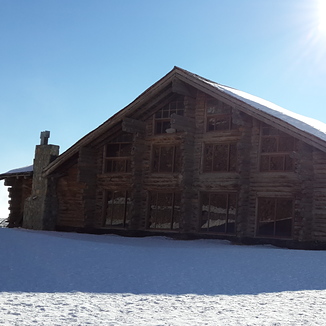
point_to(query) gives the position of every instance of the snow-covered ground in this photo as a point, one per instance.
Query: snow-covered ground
(52, 278)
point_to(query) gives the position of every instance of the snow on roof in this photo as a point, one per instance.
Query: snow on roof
(24, 169)
(306, 124)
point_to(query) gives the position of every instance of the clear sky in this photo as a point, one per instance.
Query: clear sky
(68, 65)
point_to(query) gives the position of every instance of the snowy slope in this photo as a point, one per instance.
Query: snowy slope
(50, 278)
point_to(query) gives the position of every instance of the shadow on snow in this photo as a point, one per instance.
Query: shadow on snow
(33, 261)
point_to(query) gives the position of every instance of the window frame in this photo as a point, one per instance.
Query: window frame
(126, 209)
(229, 162)
(218, 117)
(279, 156)
(173, 208)
(176, 155)
(162, 117)
(260, 222)
(228, 208)
(124, 160)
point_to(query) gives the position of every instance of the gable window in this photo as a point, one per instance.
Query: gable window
(162, 116)
(166, 159)
(117, 209)
(164, 212)
(220, 158)
(218, 115)
(117, 154)
(275, 150)
(218, 212)
(274, 217)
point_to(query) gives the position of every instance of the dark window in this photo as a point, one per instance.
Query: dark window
(164, 210)
(276, 148)
(117, 154)
(218, 115)
(275, 217)
(218, 212)
(220, 158)
(166, 159)
(162, 116)
(117, 209)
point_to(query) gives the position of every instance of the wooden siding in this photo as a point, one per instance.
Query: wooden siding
(19, 190)
(81, 192)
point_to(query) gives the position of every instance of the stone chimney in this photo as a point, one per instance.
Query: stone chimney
(38, 210)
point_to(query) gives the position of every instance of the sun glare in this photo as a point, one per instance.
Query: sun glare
(322, 15)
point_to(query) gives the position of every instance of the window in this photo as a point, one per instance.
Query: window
(218, 212)
(164, 211)
(276, 148)
(117, 154)
(162, 116)
(166, 159)
(117, 209)
(275, 217)
(218, 115)
(220, 158)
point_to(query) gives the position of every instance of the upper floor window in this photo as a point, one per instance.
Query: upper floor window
(162, 116)
(117, 154)
(218, 115)
(220, 158)
(276, 148)
(166, 159)
(218, 212)
(274, 217)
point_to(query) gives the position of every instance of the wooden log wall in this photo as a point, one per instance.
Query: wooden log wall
(319, 194)
(19, 189)
(82, 190)
(70, 199)
(87, 176)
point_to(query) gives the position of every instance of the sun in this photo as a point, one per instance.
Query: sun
(322, 15)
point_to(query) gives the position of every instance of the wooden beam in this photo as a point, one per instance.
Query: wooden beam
(133, 126)
(182, 123)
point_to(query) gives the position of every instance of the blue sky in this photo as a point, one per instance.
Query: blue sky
(67, 66)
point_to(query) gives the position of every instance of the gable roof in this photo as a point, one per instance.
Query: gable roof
(310, 130)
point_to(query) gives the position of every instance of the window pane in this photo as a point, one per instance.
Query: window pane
(218, 213)
(156, 159)
(269, 145)
(289, 166)
(113, 150)
(166, 159)
(208, 158)
(275, 217)
(205, 211)
(277, 163)
(266, 209)
(176, 211)
(220, 158)
(210, 124)
(125, 149)
(222, 123)
(232, 209)
(164, 212)
(118, 204)
(286, 144)
(233, 158)
(177, 159)
(264, 163)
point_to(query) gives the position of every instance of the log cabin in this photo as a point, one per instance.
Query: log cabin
(188, 158)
